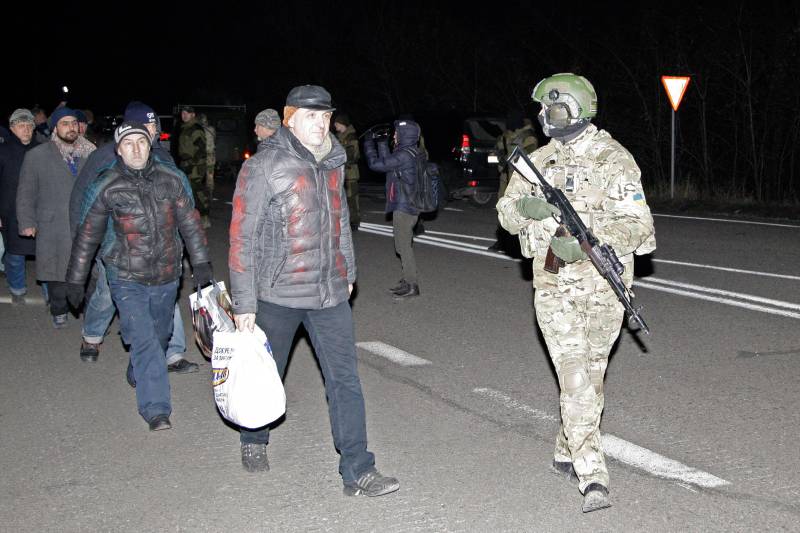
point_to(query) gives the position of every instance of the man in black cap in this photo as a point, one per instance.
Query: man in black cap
(291, 262)
(143, 257)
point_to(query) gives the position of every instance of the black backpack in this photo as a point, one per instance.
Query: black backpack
(426, 196)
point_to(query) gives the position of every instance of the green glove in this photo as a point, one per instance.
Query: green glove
(535, 208)
(567, 248)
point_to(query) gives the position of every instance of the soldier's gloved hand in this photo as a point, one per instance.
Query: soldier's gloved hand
(75, 294)
(535, 208)
(567, 248)
(202, 274)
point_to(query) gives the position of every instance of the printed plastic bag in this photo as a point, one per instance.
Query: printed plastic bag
(211, 311)
(247, 388)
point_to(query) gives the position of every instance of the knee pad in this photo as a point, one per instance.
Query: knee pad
(573, 377)
(597, 372)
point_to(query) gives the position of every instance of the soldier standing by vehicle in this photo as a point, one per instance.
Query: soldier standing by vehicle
(578, 313)
(519, 132)
(346, 134)
(211, 160)
(193, 159)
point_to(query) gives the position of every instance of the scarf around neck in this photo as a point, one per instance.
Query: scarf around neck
(73, 153)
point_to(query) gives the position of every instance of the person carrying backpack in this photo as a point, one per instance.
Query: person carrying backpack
(401, 168)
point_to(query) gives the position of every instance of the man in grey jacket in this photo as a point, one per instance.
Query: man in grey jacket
(291, 262)
(45, 183)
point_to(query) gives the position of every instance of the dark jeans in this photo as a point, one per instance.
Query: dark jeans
(145, 313)
(331, 332)
(403, 227)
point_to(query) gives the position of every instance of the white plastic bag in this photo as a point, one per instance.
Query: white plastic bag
(247, 388)
(211, 311)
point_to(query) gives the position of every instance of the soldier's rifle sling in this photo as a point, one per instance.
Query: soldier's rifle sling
(603, 257)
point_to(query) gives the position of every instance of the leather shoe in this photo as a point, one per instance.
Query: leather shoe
(401, 286)
(89, 352)
(411, 291)
(183, 367)
(159, 422)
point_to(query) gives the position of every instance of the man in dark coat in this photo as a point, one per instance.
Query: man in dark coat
(12, 153)
(45, 183)
(400, 166)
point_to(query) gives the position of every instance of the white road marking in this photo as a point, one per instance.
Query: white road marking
(396, 355)
(727, 269)
(453, 209)
(729, 220)
(726, 301)
(622, 450)
(34, 300)
(657, 284)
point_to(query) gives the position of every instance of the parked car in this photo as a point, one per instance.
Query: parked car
(477, 158)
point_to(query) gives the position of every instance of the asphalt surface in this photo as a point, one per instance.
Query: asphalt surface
(469, 433)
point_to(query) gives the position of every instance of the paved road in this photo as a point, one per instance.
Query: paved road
(701, 416)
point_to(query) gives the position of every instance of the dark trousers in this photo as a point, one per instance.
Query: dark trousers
(145, 313)
(403, 228)
(333, 338)
(57, 292)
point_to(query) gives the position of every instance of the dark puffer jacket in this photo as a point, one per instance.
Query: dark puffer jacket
(400, 166)
(151, 209)
(12, 153)
(290, 236)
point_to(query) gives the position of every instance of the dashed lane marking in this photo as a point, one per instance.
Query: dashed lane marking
(396, 355)
(620, 449)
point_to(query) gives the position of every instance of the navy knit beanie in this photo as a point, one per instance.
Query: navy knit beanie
(140, 112)
(58, 114)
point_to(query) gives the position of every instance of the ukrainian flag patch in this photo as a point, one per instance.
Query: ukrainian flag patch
(639, 198)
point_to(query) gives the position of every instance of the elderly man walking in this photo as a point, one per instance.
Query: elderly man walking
(291, 262)
(45, 184)
(12, 153)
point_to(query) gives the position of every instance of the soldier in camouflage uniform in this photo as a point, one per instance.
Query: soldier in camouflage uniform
(347, 137)
(193, 159)
(211, 159)
(577, 312)
(519, 131)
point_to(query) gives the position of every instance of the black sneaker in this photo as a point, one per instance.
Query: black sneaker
(183, 367)
(89, 352)
(401, 286)
(595, 497)
(564, 469)
(159, 422)
(372, 483)
(412, 290)
(254, 457)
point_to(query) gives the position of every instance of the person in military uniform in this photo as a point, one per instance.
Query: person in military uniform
(193, 160)
(519, 132)
(267, 123)
(577, 312)
(346, 134)
(211, 159)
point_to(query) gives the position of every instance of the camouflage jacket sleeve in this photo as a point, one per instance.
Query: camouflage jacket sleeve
(192, 146)
(625, 221)
(507, 213)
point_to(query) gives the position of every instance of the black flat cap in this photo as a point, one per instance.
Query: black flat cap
(310, 97)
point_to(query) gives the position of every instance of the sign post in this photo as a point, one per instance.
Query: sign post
(675, 87)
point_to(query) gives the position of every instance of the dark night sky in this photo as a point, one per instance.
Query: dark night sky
(380, 59)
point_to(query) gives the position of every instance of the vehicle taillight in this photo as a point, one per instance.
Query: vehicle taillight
(164, 136)
(472, 183)
(465, 144)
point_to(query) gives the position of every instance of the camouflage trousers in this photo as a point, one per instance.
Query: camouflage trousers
(351, 188)
(198, 180)
(579, 332)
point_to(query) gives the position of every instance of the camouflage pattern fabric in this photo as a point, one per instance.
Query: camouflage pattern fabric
(349, 141)
(193, 160)
(577, 312)
(211, 153)
(525, 137)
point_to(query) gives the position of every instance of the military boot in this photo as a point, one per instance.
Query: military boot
(595, 497)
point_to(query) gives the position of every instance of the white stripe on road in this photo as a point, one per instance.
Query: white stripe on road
(726, 301)
(396, 355)
(739, 295)
(36, 300)
(729, 220)
(727, 269)
(431, 232)
(620, 449)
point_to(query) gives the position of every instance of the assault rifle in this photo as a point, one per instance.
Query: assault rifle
(603, 257)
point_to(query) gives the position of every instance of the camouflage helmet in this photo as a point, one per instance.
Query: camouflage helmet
(571, 90)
